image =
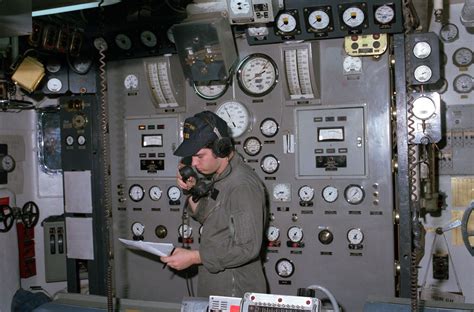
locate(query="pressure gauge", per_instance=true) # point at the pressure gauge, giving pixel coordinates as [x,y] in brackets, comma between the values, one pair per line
[354,194]
[252,146]
[286,23]
[422,73]
[53,66]
[355,236]
[463,83]
[174,193]
[352,64]
[269,127]
[282,192]
[148,39]
[136,192]
[138,229]
[69,140]
[131,82]
[423,108]
[384,14]
[81,140]
[240,6]
[330,194]
[273,233]
[155,192]
[54,85]
[422,50]
[210,91]
[257,74]
[462,57]
[7,162]
[269,164]
[185,231]
[449,32]
[236,116]
[295,234]
[353,17]
[81,64]
[306,193]
[123,42]
[284,268]
[319,20]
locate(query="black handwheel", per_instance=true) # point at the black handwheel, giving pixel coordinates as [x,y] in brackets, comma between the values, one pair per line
[6,218]
[30,214]
[466,233]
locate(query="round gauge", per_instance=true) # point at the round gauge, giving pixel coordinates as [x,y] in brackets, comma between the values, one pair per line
[463,83]
[240,6]
[306,193]
[54,85]
[161,231]
[286,23]
[69,140]
[252,146]
[295,234]
[130,82]
[462,57]
[330,194]
[319,20]
[269,127]
[81,64]
[148,39]
[449,32]
[354,194]
[138,229]
[422,50]
[422,73]
[79,121]
[185,231]
[81,140]
[53,66]
[353,17]
[273,233]
[384,14]
[269,164]
[355,236]
[155,192]
[100,44]
[174,193]
[7,162]
[236,116]
[136,192]
[210,91]
[284,268]
[257,74]
[352,64]
[123,42]
[423,108]
[282,192]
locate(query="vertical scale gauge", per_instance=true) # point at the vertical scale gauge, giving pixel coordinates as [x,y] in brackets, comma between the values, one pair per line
[159,80]
[303,72]
[297,72]
[291,67]
[165,83]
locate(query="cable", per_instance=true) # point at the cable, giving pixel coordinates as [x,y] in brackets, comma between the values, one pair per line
[335,306]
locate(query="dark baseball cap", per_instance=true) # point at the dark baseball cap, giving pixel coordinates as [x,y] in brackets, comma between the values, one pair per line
[200,130]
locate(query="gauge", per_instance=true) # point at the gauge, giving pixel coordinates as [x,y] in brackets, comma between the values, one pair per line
[295,234]
[54,85]
[355,236]
[463,83]
[69,140]
[269,127]
[210,91]
[422,73]
[449,32]
[269,164]
[423,108]
[354,194]
[174,193]
[123,42]
[130,82]
[286,23]
[273,233]
[136,192]
[100,44]
[462,57]
[7,162]
[236,116]
[306,193]
[81,140]
[155,192]
[252,146]
[185,231]
[384,14]
[53,66]
[352,64]
[422,50]
[161,231]
[240,6]
[138,229]
[148,39]
[319,20]
[330,194]
[79,121]
[282,192]
[284,268]
[257,74]
[353,17]
[81,64]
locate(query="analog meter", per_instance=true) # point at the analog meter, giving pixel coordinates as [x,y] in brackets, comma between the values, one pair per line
[210,91]
[7,163]
[236,115]
[81,64]
[306,193]
[319,20]
[353,17]
[463,83]
[282,192]
[257,74]
[286,23]
[355,236]
[123,42]
[174,193]
[269,164]
[273,233]
[330,194]
[54,85]
[422,73]
[384,14]
[81,140]
[354,194]
[284,268]
[423,108]
[295,234]
[462,57]
[148,39]
[449,32]
[422,50]
[155,192]
[185,231]
[252,146]
[269,127]
[130,82]
[352,64]
[138,229]
[240,6]
[136,192]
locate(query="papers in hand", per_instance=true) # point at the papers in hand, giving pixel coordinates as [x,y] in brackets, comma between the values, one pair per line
[159,249]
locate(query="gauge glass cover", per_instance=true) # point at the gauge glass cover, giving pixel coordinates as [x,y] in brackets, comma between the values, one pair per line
[319,20]
[185,231]
[355,236]
[284,268]
[282,192]
[269,127]
[354,194]
[236,116]
[8,163]
[353,17]
[257,75]
[54,85]
[174,193]
[130,82]
[295,234]
[384,14]
[269,164]
[462,57]
[463,83]
[306,193]
[210,91]
[138,229]
[240,6]
[286,23]
[449,32]
[136,192]
[155,192]
[422,73]
[352,64]
[252,146]
[423,108]
[273,233]
[330,194]
[422,50]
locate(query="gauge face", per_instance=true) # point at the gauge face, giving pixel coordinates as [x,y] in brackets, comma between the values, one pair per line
[353,17]
[463,83]
[422,50]
[284,268]
[257,75]
[462,57]
[295,234]
[210,91]
[384,14]
[319,20]
[54,85]
[130,82]
[252,146]
[422,73]
[136,192]
[185,231]
[155,192]
[240,6]
[423,108]
[354,194]
[236,116]
[286,23]
[123,42]
[449,32]
[138,229]
[282,192]
[352,64]
[269,164]
[174,193]
[269,127]
[330,194]
[306,193]
[69,140]
[273,233]
[355,236]
[81,64]
[148,39]
[7,163]
[53,66]
[81,140]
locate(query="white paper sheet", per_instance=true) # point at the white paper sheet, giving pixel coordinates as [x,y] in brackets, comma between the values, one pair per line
[79,237]
[159,249]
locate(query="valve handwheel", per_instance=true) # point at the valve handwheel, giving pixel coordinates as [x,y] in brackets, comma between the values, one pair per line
[6,218]
[30,214]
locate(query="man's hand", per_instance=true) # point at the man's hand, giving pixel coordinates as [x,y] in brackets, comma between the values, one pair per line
[182,258]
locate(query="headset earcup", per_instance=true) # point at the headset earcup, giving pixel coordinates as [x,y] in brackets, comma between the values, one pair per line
[222,147]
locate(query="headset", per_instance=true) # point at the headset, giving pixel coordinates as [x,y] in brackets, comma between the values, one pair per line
[222,147]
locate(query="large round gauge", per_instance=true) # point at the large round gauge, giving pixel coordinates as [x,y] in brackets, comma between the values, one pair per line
[240,6]
[138,229]
[330,194]
[130,82]
[273,233]
[286,23]
[355,236]
[252,146]
[155,192]
[210,91]
[306,193]
[269,164]
[123,42]
[423,108]
[282,192]
[174,193]
[319,20]
[463,83]
[269,127]
[422,50]
[54,85]
[148,39]
[422,73]
[257,74]
[295,234]
[284,268]
[449,32]
[236,116]
[136,192]
[354,194]
[462,57]
[353,17]
[384,14]
[185,231]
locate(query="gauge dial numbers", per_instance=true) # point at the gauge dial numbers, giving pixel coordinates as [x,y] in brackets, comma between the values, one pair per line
[287,23]
[422,50]
[269,164]
[273,233]
[282,192]
[384,14]
[237,117]
[355,236]
[463,83]
[252,146]
[330,194]
[54,85]
[138,229]
[354,194]
[136,192]
[462,57]
[211,90]
[269,127]
[449,32]
[295,234]
[306,193]
[130,82]
[423,73]
[284,268]
[257,75]
[174,193]
[155,193]
[353,17]
[319,19]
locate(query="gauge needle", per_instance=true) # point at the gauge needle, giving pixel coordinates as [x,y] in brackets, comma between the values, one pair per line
[264,68]
[230,118]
